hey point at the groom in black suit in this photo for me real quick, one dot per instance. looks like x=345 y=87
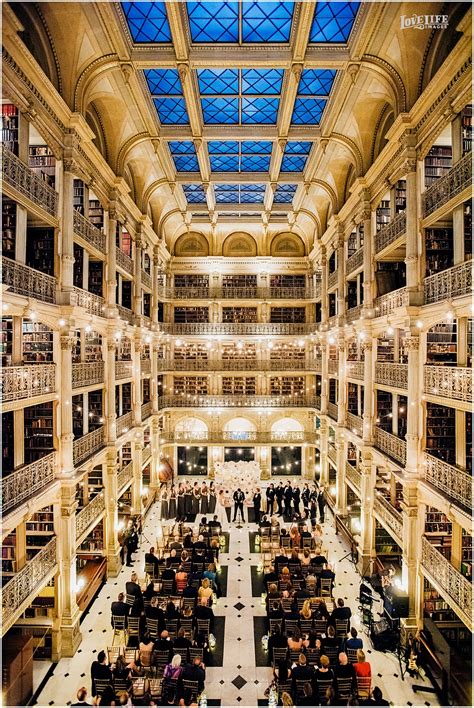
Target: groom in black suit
x=239 y=498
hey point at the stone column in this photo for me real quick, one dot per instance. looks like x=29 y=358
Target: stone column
x=137 y=280
x=307 y=455
x=68 y=341
x=414 y=249
x=368 y=272
x=367 y=525
x=155 y=269
x=137 y=447
x=369 y=377
x=341 y=274
x=341 y=488
x=342 y=385
x=110 y=417
x=324 y=376
x=324 y=474
x=67 y=235
x=415 y=390
x=112 y=546
x=324 y=285
x=68 y=611
x=110 y=266
x=155 y=455
x=136 y=380
x=154 y=348
x=411 y=550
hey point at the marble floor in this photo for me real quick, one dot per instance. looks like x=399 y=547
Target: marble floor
x=239 y=682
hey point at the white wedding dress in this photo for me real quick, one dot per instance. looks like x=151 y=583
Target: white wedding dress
x=221 y=512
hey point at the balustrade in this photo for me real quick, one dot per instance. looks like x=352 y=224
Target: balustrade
x=243 y=293
x=93 y=304
x=332 y=453
x=332 y=410
x=123 y=261
x=146 y=410
x=123 y=369
x=23 y=280
x=125 y=313
x=146 y=279
x=455 y=483
x=288 y=437
x=27 y=481
x=355 y=423
x=355 y=370
x=89 y=233
x=332 y=280
x=453 y=382
x=27 y=381
x=146 y=454
x=124 y=477
x=145 y=366
x=249 y=328
x=386 y=304
x=333 y=366
x=448 y=187
x=391 y=232
x=89 y=515
x=394 y=447
x=354 y=314
x=296 y=401
x=88 y=445
x=19 y=176
x=124 y=423
x=87 y=373
x=389 y=517
x=450 y=283
x=392 y=374
x=332 y=321
x=25 y=585
x=355 y=262
x=353 y=476
x=280 y=364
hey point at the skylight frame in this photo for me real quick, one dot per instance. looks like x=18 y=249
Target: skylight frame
x=238 y=152
x=346 y=37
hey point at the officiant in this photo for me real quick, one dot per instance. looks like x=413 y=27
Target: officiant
x=239 y=498
x=257 y=500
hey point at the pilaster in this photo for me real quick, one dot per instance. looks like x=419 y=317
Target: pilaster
x=367 y=524
x=68 y=611
x=68 y=341
x=112 y=546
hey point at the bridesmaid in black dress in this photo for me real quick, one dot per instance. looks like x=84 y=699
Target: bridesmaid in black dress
x=180 y=501
x=204 y=499
x=164 y=505
x=212 y=498
x=172 y=503
x=188 y=499
x=195 y=499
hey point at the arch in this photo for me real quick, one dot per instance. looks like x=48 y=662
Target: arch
x=191 y=424
x=239 y=245
x=151 y=190
x=192 y=244
x=384 y=123
x=329 y=191
x=352 y=148
x=94 y=69
x=286 y=425
x=125 y=149
x=441 y=44
x=37 y=38
x=240 y=425
x=287 y=245
x=94 y=122
x=350 y=179
x=391 y=78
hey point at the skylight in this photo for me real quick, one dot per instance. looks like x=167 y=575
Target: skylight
x=245 y=156
x=147 y=21
x=240 y=96
x=313 y=89
x=194 y=193
x=239 y=193
x=240 y=22
x=167 y=94
x=184 y=155
x=295 y=156
x=333 y=21
x=284 y=193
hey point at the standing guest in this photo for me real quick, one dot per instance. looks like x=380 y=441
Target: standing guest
x=257 y=500
x=81 y=696
x=188 y=500
x=296 y=500
x=239 y=498
x=313 y=512
x=100 y=670
x=172 y=503
x=288 y=496
x=270 y=495
x=279 y=494
x=119 y=608
x=321 y=504
x=164 y=516
x=305 y=494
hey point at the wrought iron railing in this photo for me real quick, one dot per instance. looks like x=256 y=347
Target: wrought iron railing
x=288 y=437
x=332 y=321
x=123 y=261
x=88 y=232
x=249 y=328
x=146 y=279
x=394 y=447
x=124 y=477
x=332 y=453
x=27 y=481
x=244 y=293
x=391 y=232
x=332 y=410
x=355 y=370
x=125 y=313
x=280 y=364
x=88 y=445
x=297 y=401
x=27 y=381
x=355 y=261
x=124 y=423
x=450 y=582
x=333 y=366
x=389 y=517
x=386 y=304
x=392 y=374
x=27 y=583
x=93 y=304
x=455 y=483
x=19 y=176
x=332 y=280
x=23 y=280
x=354 y=314
x=89 y=515
x=146 y=410
x=453 y=382
x=355 y=423
x=146 y=454
x=123 y=369
x=449 y=186
x=145 y=365
x=353 y=475
x=87 y=373
x=449 y=283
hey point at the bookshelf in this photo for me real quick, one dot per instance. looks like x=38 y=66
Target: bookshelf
x=126 y=454
x=6 y=341
x=439 y=250
x=95 y=482
x=402 y=416
x=400 y=196
x=191 y=352
x=191 y=281
x=440 y=432
x=287 y=352
x=384 y=410
x=239 y=314
x=9 y=558
x=191 y=385
x=126 y=397
x=469 y=441
x=96 y=278
x=332 y=263
x=438 y=530
x=467 y=230
x=78 y=268
x=8 y=228
x=332 y=304
x=239 y=385
x=39 y=530
x=332 y=391
x=231 y=352
x=7 y=447
x=466 y=124
x=127 y=293
x=38 y=428
x=95 y=412
x=438 y=162
x=239 y=281
x=41 y=608
x=386 y=549
x=466 y=560
x=94 y=541
x=352 y=244
x=353 y=350
x=287 y=385
x=441 y=346
x=41 y=160
x=96 y=213
x=92 y=347
x=10 y=127
x=78 y=415
x=145 y=390
x=352 y=293
x=147 y=304
x=288 y=314
x=78 y=196
x=76 y=350
x=352 y=398
x=382 y=214
x=40 y=249
x=123 y=349
x=191 y=314
x=287 y=281
x=37 y=342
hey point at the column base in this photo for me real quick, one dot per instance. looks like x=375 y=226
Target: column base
x=408 y=625
x=364 y=563
x=114 y=564
x=265 y=473
x=71 y=636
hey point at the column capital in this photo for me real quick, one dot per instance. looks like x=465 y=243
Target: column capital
x=68 y=341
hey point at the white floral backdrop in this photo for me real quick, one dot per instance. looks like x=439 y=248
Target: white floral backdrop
x=231 y=475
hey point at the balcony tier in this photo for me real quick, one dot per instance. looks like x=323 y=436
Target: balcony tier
x=452 y=382
x=449 y=188
x=452 y=481
x=242 y=328
x=237 y=402
x=28 y=282
x=26 y=482
x=392 y=375
x=394 y=447
x=27 y=381
x=245 y=293
x=88 y=445
x=87 y=374
x=22 y=178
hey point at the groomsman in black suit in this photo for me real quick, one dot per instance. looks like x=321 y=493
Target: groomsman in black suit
x=270 y=494
x=279 y=493
x=257 y=501
x=239 y=498
x=288 y=494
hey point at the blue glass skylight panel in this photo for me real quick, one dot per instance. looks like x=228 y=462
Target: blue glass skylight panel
x=239 y=193
x=298 y=147
x=184 y=155
x=254 y=147
x=295 y=155
x=182 y=147
x=284 y=193
x=246 y=156
x=308 y=111
x=147 y=21
x=316 y=82
x=252 y=193
x=164 y=82
x=256 y=82
x=220 y=109
x=259 y=110
x=218 y=81
x=221 y=147
x=213 y=21
x=333 y=21
x=171 y=111
x=255 y=163
x=224 y=163
x=266 y=21
x=194 y=193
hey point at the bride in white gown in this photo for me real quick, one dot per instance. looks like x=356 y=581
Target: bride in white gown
x=220 y=509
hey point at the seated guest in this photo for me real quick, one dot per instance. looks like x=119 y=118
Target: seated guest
x=173 y=670
x=205 y=591
x=305 y=533
x=153 y=611
x=306 y=612
x=146 y=643
x=182 y=642
x=295 y=537
x=149 y=591
x=151 y=559
x=354 y=642
x=281 y=559
x=172 y=558
x=312 y=642
x=176 y=545
x=203 y=526
x=282 y=672
x=119 y=608
x=308 y=698
x=214 y=523
x=320 y=612
x=340 y=612
x=200 y=544
x=164 y=643
x=362 y=667
x=302 y=671
x=181 y=580
x=376 y=699
x=303 y=592
x=272 y=595
x=210 y=574
x=344 y=669
x=264 y=522
x=330 y=640
x=295 y=642
x=327 y=572
x=195 y=672
x=190 y=590
x=204 y=612
x=306 y=559
x=120 y=670
x=276 y=640
x=133 y=588
x=172 y=612
x=274 y=524
x=81 y=696
x=188 y=541
x=275 y=612
x=294 y=558
x=270 y=577
x=318 y=558
x=311 y=583
x=323 y=672
x=100 y=670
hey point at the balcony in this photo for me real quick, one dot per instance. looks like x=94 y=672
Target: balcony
x=87 y=374
x=354 y=314
x=298 y=401
x=355 y=262
x=353 y=477
x=23 y=280
x=355 y=370
x=124 y=477
x=332 y=453
x=27 y=381
x=453 y=482
x=93 y=304
x=89 y=517
x=19 y=176
x=146 y=410
x=280 y=364
x=447 y=188
x=146 y=279
x=392 y=375
x=244 y=293
x=123 y=261
x=26 y=482
x=18 y=593
x=389 y=517
x=386 y=304
x=332 y=321
x=450 y=283
x=390 y=233
x=88 y=445
x=146 y=454
x=333 y=367
x=452 y=382
x=89 y=233
x=226 y=437
x=123 y=370
x=124 y=423
x=355 y=423
x=332 y=410
x=448 y=581
x=244 y=328
x=125 y=313
x=394 y=447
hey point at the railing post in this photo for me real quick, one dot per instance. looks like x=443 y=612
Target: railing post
x=68 y=611
x=111 y=265
x=137 y=447
x=415 y=390
x=414 y=248
x=68 y=341
x=137 y=347
x=67 y=234
x=369 y=369
x=112 y=546
x=111 y=429
x=368 y=271
x=367 y=530
x=413 y=526
x=137 y=279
